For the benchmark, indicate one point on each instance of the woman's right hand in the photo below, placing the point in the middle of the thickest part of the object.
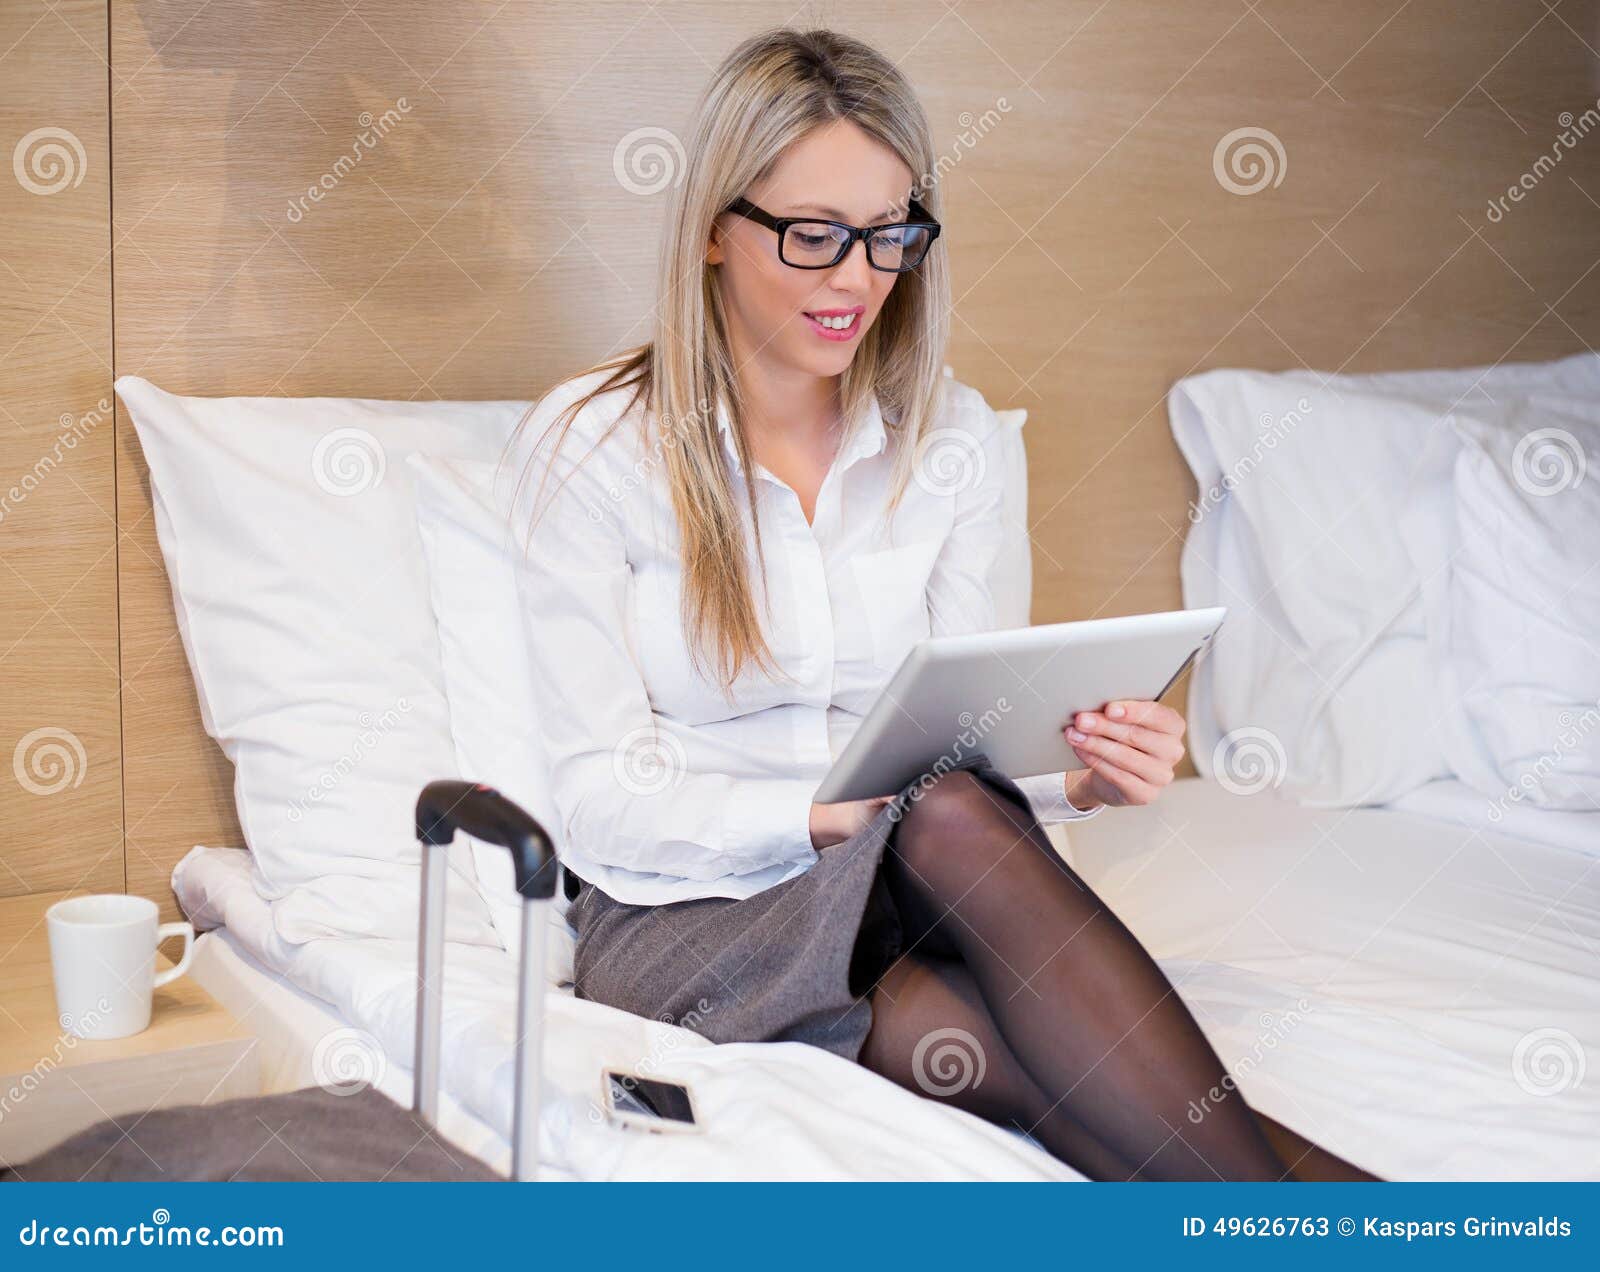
(834, 823)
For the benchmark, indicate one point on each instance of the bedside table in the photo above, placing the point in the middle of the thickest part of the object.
(53, 1084)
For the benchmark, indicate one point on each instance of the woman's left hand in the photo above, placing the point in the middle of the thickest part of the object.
(1131, 749)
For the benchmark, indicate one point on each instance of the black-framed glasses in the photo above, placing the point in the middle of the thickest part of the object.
(809, 243)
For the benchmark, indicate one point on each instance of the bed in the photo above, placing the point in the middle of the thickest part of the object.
(1418, 1029)
(1388, 935)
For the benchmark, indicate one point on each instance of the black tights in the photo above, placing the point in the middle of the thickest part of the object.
(1022, 998)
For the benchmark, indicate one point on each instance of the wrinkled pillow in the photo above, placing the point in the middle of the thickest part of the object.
(1514, 605)
(289, 533)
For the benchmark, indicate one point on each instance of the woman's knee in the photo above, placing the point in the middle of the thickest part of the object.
(958, 810)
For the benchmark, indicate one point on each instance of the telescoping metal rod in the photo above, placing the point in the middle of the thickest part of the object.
(430, 983)
(530, 1036)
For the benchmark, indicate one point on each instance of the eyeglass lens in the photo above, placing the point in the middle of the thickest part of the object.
(816, 244)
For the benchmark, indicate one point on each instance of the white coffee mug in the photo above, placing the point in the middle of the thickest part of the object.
(103, 957)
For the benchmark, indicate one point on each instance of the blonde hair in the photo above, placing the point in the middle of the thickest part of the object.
(772, 90)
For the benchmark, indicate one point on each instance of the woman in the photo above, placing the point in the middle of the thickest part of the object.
(788, 431)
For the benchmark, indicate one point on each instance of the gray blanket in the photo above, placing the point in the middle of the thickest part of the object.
(310, 1134)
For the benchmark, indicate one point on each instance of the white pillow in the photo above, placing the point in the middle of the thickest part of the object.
(1011, 579)
(1294, 529)
(1514, 603)
(289, 534)
(472, 564)
(1303, 481)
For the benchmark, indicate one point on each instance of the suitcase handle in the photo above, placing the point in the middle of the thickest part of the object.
(443, 808)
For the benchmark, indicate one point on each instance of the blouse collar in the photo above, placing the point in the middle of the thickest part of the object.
(866, 439)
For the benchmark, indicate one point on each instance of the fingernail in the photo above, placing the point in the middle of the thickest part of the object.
(1076, 736)
(1115, 711)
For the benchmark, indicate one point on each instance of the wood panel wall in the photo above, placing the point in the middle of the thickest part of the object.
(61, 822)
(1105, 242)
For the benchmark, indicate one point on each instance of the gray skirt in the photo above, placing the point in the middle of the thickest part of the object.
(793, 963)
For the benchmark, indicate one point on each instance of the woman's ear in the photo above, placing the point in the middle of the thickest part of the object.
(714, 252)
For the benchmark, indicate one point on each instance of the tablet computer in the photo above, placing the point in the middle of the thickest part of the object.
(1008, 694)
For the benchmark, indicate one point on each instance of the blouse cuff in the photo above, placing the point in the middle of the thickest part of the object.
(1047, 793)
(768, 822)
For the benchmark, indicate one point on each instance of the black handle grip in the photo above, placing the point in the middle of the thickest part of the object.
(447, 806)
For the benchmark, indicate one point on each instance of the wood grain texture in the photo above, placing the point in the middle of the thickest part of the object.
(61, 780)
(484, 246)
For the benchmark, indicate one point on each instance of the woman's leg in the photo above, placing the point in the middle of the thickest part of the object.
(1309, 1161)
(1078, 1002)
(932, 1034)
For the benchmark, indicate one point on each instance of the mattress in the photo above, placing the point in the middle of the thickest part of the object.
(1417, 995)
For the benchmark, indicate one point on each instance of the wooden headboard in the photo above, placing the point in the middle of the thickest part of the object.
(1108, 234)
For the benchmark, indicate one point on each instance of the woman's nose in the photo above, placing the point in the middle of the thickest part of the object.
(854, 271)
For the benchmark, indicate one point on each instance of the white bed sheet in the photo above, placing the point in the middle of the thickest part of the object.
(1451, 974)
(772, 1111)
(1418, 996)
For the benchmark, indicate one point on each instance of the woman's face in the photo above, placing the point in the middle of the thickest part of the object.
(835, 173)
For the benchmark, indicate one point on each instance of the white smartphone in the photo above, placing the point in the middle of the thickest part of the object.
(647, 1103)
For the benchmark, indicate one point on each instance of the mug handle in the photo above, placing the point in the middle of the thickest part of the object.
(186, 931)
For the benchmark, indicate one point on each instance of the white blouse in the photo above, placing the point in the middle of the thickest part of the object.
(665, 790)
